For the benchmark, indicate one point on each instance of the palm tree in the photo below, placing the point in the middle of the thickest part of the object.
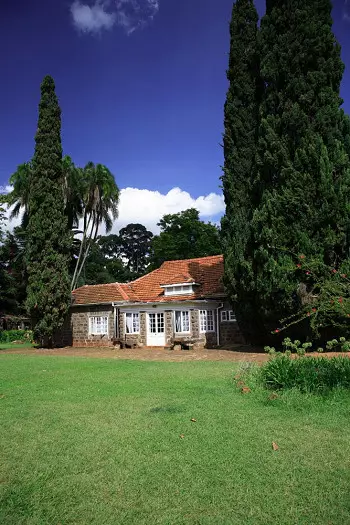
(19, 196)
(73, 180)
(100, 198)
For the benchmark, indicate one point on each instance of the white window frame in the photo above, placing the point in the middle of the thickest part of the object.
(205, 319)
(178, 289)
(228, 316)
(103, 324)
(134, 316)
(182, 313)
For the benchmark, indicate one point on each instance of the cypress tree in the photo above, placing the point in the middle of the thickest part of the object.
(240, 137)
(48, 236)
(302, 162)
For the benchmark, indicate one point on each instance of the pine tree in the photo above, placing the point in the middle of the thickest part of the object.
(240, 138)
(303, 166)
(48, 236)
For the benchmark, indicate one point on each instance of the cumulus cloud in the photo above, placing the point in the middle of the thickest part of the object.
(92, 19)
(148, 207)
(5, 189)
(104, 14)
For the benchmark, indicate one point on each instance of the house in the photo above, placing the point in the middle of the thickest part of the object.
(182, 301)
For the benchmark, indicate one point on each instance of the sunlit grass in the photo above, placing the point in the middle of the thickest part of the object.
(87, 441)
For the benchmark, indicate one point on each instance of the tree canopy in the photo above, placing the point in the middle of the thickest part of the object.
(299, 198)
(184, 236)
(48, 237)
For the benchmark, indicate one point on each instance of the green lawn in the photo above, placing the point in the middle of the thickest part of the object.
(10, 346)
(93, 441)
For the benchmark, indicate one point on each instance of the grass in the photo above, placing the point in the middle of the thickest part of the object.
(92, 441)
(10, 346)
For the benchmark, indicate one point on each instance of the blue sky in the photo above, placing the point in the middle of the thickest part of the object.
(141, 85)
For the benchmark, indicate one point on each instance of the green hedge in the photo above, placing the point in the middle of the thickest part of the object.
(8, 336)
(308, 374)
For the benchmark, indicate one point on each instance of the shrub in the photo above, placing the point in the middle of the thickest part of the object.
(8, 336)
(289, 346)
(308, 374)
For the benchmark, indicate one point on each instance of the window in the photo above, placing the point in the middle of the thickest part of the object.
(206, 318)
(182, 322)
(178, 289)
(156, 323)
(228, 315)
(98, 325)
(132, 323)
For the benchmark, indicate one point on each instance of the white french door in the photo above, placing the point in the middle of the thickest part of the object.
(156, 329)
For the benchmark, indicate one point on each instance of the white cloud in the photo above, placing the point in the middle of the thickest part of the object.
(104, 14)
(5, 189)
(148, 207)
(92, 19)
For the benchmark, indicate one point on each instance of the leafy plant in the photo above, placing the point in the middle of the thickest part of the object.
(308, 374)
(8, 336)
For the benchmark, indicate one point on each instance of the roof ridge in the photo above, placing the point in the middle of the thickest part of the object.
(94, 285)
(194, 259)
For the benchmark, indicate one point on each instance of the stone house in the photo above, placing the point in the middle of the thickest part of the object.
(181, 302)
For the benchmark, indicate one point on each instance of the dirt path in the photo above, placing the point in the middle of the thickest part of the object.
(156, 354)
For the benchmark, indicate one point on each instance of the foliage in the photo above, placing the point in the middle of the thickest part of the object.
(289, 346)
(18, 198)
(12, 257)
(308, 374)
(241, 127)
(100, 269)
(301, 184)
(324, 296)
(7, 282)
(135, 244)
(9, 336)
(184, 236)
(48, 237)
(100, 198)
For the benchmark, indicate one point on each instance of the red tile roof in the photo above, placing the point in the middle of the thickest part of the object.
(206, 272)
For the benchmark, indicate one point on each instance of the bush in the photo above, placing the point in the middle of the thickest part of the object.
(290, 347)
(8, 336)
(308, 374)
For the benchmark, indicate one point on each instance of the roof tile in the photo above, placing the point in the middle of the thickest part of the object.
(207, 272)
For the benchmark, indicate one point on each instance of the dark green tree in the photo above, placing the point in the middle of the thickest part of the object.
(100, 268)
(302, 184)
(48, 237)
(240, 143)
(135, 244)
(184, 236)
(12, 261)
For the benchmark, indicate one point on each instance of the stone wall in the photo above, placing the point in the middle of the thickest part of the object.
(80, 325)
(230, 333)
(76, 329)
(133, 339)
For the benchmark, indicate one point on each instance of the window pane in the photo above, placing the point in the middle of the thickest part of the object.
(160, 323)
(98, 325)
(185, 322)
(178, 322)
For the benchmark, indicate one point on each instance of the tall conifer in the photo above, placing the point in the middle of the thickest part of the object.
(303, 166)
(241, 125)
(48, 237)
